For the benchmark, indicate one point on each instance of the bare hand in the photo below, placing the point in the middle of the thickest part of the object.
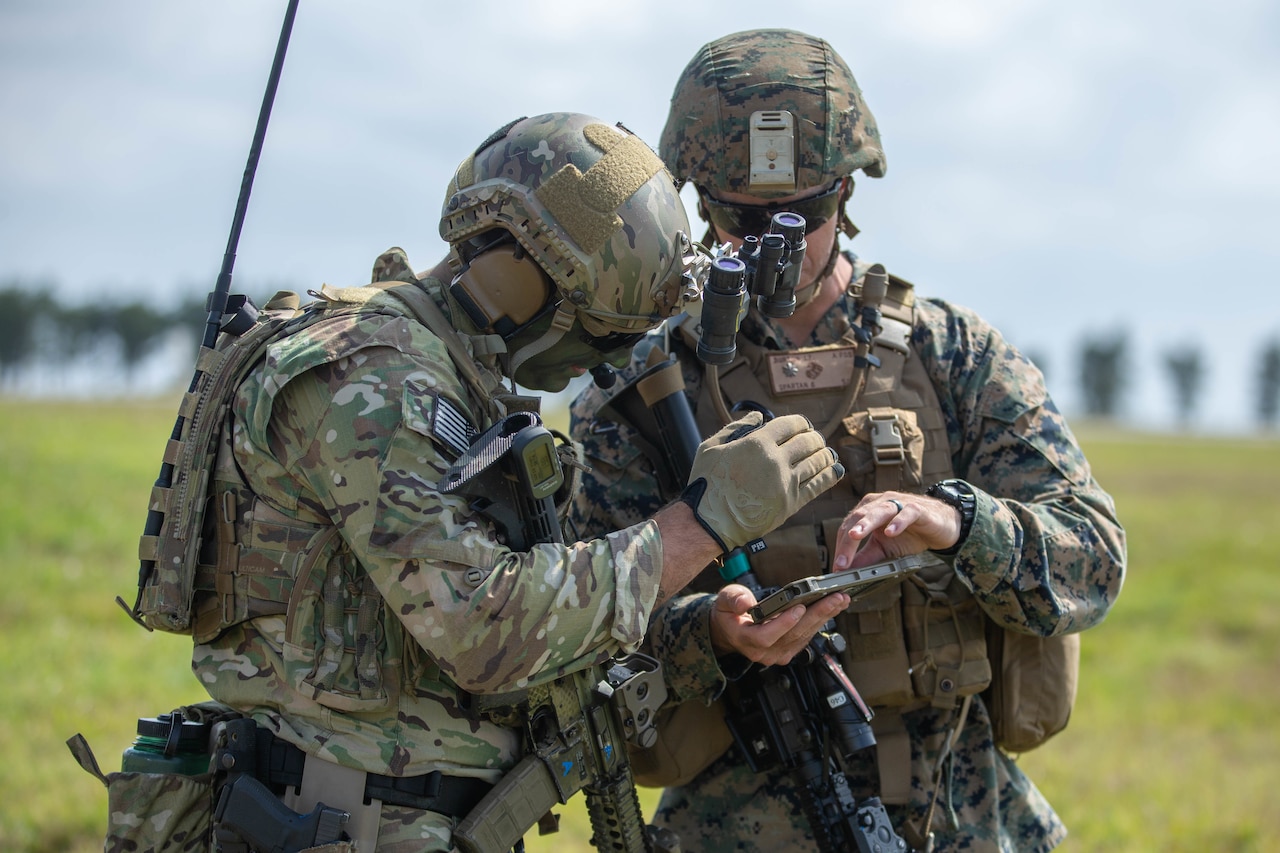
(776, 640)
(889, 525)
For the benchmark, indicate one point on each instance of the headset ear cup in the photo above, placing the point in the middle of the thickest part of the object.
(502, 289)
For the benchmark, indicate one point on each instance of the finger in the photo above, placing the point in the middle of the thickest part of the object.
(802, 444)
(784, 429)
(735, 598)
(737, 428)
(815, 617)
(819, 459)
(900, 520)
(871, 553)
(773, 630)
(851, 548)
(828, 473)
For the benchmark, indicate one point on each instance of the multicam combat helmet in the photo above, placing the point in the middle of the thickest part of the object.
(769, 113)
(593, 206)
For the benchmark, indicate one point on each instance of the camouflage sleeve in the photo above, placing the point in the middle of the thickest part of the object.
(353, 434)
(1046, 554)
(619, 490)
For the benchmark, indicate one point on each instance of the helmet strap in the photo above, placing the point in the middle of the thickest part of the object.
(810, 292)
(560, 324)
(845, 227)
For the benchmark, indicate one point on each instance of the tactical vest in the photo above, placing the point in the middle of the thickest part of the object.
(918, 643)
(223, 554)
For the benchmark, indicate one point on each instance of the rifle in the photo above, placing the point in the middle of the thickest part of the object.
(805, 718)
(577, 727)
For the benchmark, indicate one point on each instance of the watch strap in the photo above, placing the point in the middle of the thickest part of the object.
(958, 494)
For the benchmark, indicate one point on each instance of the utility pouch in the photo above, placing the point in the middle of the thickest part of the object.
(875, 658)
(882, 449)
(1033, 688)
(691, 735)
(946, 639)
(148, 812)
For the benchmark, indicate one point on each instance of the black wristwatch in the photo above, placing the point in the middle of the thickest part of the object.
(959, 494)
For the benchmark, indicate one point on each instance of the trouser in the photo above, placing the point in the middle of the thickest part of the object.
(988, 804)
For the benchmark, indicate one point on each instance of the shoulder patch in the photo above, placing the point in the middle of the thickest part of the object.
(429, 413)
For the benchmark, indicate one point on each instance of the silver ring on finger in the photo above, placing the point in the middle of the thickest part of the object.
(896, 503)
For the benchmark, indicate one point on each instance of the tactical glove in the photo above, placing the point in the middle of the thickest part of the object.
(751, 476)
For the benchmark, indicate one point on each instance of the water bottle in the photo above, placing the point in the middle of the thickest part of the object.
(168, 743)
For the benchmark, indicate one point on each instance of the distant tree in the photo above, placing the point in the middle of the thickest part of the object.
(190, 315)
(139, 327)
(1103, 375)
(1186, 369)
(80, 328)
(22, 307)
(1269, 385)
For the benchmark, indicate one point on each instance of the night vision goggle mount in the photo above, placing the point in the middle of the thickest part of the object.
(766, 267)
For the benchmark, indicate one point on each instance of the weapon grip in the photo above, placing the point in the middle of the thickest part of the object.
(249, 814)
(616, 821)
(515, 804)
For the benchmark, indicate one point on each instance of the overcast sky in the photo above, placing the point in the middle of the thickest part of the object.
(1068, 170)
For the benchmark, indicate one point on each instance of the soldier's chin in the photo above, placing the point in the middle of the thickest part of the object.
(549, 381)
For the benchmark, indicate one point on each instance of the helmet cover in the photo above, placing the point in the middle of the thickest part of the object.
(739, 91)
(593, 205)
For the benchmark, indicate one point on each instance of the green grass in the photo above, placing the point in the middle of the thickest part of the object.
(1174, 744)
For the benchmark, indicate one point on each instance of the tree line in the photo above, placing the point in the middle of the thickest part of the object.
(38, 330)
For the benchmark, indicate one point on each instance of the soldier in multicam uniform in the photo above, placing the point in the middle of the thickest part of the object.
(771, 120)
(364, 605)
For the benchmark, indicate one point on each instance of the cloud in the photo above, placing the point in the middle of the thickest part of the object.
(1105, 159)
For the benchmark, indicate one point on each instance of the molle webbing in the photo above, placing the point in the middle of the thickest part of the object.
(165, 593)
(913, 644)
(264, 558)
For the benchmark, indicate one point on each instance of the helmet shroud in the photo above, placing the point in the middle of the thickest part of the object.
(723, 130)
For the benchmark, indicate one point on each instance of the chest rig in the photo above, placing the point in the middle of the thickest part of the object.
(914, 644)
(224, 555)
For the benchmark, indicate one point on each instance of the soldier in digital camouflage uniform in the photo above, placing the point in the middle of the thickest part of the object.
(365, 606)
(951, 400)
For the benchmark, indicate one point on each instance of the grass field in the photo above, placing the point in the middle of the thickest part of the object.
(1174, 744)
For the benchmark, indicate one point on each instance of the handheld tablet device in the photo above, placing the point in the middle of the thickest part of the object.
(856, 582)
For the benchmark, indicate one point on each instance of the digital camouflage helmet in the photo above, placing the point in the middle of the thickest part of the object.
(769, 113)
(593, 206)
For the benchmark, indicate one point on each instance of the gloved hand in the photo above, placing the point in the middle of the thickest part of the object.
(751, 476)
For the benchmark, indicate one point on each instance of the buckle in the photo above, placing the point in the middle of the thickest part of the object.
(886, 439)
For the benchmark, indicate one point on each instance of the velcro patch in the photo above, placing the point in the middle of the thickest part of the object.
(428, 413)
(585, 203)
(800, 371)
